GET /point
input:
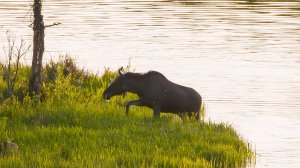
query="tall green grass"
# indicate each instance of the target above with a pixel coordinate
(71, 126)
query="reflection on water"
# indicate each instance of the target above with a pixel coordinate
(243, 57)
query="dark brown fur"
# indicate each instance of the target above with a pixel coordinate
(157, 92)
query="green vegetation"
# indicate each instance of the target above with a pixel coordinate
(70, 125)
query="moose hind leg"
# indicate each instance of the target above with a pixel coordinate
(197, 116)
(156, 111)
(133, 103)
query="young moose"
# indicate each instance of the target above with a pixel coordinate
(157, 92)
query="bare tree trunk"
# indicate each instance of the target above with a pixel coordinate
(38, 49)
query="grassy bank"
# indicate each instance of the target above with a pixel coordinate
(73, 127)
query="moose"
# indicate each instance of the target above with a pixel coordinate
(156, 92)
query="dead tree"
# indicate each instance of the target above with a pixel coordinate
(13, 55)
(38, 49)
(35, 80)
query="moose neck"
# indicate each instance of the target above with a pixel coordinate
(135, 84)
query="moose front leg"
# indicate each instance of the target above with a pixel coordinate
(156, 110)
(133, 103)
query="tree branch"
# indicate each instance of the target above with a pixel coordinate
(54, 24)
(13, 53)
(31, 25)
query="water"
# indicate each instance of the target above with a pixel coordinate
(244, 58)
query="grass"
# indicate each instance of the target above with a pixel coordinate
(73, 127)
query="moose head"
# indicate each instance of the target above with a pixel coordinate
(117, 87)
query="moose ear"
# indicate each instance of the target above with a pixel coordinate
(121, 71)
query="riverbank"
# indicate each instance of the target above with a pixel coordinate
(72, 126)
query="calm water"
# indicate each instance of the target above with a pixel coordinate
(244, 58)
